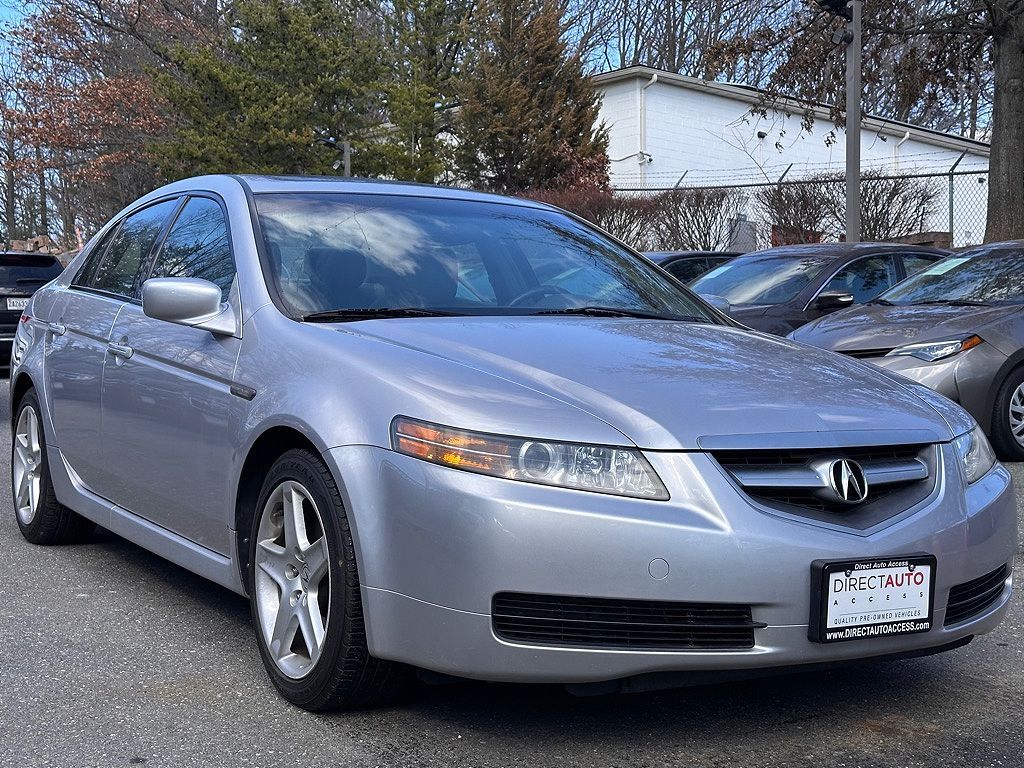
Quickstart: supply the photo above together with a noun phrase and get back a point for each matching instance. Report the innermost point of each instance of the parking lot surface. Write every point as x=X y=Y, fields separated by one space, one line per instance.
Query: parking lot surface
x=112 y=656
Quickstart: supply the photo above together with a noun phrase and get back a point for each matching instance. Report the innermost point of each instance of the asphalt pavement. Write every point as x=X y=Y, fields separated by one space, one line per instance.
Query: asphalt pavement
x=110 y=656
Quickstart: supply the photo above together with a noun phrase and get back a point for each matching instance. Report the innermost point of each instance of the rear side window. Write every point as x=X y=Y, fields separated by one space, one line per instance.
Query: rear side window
x=914 y=262
x=197 y=245
x=24 y=272
x=118 y=267
x=685 y=270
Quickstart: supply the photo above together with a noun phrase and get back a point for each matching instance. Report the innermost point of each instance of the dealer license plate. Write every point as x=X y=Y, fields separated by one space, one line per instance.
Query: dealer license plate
x=17 y=303
x=854 y=599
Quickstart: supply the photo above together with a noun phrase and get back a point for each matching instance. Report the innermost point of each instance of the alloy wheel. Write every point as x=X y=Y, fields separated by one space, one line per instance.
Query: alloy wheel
x=293 y=580
x=26 y=465
x=1017 y=414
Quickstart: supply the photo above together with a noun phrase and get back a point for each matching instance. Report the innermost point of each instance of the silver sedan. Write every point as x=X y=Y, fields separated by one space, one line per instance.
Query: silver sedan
x=429 y=428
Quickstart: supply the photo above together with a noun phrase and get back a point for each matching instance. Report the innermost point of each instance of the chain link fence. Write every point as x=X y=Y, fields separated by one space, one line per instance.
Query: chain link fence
x=944 y=209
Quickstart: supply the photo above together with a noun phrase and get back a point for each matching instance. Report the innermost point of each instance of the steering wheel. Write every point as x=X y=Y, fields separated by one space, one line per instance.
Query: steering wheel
x=536 y=293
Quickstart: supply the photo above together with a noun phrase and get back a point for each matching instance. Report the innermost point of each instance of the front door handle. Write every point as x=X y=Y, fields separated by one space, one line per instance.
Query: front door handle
x=56 y=329
x=120 y=350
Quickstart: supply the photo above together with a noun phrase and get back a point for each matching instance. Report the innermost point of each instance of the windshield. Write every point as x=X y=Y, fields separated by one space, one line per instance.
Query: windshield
x=364 y=252
x=982 y=277
x=761 y=279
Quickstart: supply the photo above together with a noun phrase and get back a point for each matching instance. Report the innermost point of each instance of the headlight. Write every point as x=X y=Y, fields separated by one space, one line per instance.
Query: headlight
x=598 y=468
x=976 y=455
x=936 y=350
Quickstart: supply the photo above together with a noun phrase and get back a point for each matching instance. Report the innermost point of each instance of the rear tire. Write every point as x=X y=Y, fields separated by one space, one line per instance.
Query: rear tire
x=313 y=646
x=41 y=518
x=1008 y=418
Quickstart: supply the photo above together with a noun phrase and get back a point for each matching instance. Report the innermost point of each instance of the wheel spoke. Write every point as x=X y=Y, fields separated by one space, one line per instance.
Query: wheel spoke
x=312 y=625
x=22 y=454
x=23 y=483
x=315 y=557
x=272 y=560
x=285 y=626
x=294 y=519
x=33 y=433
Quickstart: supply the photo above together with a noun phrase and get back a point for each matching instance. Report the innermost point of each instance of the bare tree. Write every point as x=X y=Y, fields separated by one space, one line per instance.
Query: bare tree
x=800 y=211
x=891 y=207
x=696 y=218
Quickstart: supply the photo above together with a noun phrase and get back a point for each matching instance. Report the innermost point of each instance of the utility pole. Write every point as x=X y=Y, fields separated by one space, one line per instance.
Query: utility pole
x=853 y=103
x=850 y=36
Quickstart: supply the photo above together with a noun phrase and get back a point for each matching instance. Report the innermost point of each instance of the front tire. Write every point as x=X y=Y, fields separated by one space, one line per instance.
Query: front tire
x=304 y=593
x=1008 y=418
x=41 y=518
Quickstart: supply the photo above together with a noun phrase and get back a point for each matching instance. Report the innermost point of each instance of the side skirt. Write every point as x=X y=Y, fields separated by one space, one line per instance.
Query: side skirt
x=204 y=562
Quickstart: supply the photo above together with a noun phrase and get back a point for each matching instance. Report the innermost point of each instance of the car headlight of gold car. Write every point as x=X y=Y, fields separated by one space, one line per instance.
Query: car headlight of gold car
x=597 y=468
x=975 y=453
x=930 y=351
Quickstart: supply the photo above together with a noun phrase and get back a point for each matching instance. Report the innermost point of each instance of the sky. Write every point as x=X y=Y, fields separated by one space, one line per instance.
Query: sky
x=11 y=11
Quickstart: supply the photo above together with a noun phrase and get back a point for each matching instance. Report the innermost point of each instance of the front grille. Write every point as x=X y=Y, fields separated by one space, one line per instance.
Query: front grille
x=586 y=622
x=975 y=596
x=791 y=480
x=865 y=353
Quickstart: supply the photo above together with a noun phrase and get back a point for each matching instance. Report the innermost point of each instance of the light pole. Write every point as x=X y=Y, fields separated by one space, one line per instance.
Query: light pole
x=850 y=35
x=853 y=99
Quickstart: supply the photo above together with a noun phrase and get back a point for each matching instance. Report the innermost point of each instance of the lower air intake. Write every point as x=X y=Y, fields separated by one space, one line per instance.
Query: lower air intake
x=973 y=597
x=586 y=622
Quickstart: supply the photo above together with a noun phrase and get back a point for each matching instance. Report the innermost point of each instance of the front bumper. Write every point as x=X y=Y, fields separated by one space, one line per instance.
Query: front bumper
x=965 y=378
x=435 y=544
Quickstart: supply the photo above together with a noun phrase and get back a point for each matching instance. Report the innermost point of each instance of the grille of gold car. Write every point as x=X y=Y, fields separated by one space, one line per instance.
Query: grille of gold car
x=865 y=353
x=586 y=622
x=975 y=596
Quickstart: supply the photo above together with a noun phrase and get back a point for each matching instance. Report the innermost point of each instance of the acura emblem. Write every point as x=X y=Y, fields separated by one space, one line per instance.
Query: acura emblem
x=847 y=481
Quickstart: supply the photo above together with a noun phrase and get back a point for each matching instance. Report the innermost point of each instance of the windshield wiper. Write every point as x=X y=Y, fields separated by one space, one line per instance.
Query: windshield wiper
x=361 y=313
x=615 y=312
x=883 y=302
x=955 y=302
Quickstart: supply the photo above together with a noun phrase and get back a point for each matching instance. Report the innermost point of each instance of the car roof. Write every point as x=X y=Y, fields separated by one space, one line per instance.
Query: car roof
x=659 y=257
x=839 y=251
x=260 y=184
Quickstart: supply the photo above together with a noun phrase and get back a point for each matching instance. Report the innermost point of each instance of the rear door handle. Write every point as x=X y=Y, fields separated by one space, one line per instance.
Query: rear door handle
x=56 y=329
x=120 y=350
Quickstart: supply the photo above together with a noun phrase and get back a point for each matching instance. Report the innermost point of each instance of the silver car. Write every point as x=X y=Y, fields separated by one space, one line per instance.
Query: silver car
x=429 y=428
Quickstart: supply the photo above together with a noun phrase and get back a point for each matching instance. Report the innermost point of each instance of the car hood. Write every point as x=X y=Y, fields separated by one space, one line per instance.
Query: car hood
x=881 y=327
x=672 y=385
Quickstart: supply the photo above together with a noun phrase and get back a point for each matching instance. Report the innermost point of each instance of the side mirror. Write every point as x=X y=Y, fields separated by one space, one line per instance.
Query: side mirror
x=718 y=302
x=830 y=301
x=188 y=301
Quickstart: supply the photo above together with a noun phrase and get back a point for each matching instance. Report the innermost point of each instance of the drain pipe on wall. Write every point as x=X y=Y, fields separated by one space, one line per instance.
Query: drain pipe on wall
x=645 y=157
x=896 y=151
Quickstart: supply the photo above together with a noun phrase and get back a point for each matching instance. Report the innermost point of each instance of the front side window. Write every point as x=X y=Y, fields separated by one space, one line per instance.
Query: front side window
x=762 y=279
x=197 y=245
x=118 y=267
x=865 y=278
x=982 y=276
x=352 y=251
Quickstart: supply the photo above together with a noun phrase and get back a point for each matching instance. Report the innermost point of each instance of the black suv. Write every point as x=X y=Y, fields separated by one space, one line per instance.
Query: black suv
x=21 y=274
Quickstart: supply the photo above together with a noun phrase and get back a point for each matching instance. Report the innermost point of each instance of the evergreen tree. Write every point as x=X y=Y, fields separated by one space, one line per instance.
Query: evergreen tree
x=426 y=42
x=289 y=74
x=527 y=115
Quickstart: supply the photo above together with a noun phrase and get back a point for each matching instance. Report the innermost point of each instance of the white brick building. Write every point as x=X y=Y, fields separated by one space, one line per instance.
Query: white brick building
x=667 y=129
